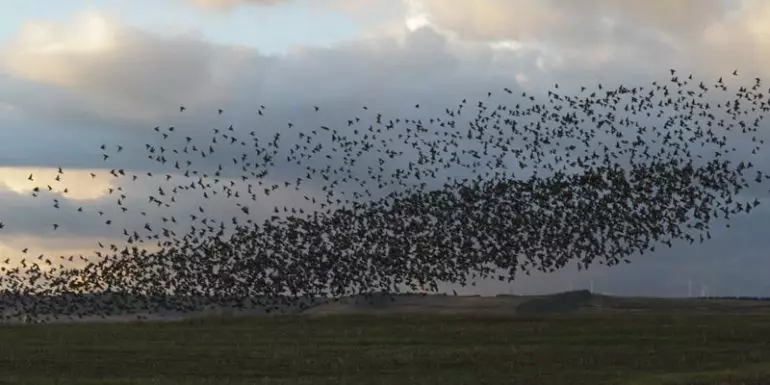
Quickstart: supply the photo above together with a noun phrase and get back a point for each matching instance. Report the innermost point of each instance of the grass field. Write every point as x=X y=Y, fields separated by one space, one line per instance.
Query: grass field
x=394 y=349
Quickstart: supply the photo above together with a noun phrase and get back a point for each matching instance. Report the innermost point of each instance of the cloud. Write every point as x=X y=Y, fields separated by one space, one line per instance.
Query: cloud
x=566 y=21
x=79 y=183
x=592 y=34
x=344 y=5
x=740 y=37
x=7 y=110
x=227 y=4
x=72 y=86
x=116 y=71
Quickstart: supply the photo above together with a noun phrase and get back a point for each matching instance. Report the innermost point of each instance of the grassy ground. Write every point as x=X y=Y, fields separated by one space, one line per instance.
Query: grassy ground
x=394 y=349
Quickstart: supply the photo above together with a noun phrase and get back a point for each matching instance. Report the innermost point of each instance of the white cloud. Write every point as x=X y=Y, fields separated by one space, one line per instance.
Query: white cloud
x=114 y=69
x=8 y=110
x=592 y=34
x=79 y=183
x=342 y=5
x=131 y=75
x=563 y=20
x=740 y=39
x=90 y=34
x=227 y=4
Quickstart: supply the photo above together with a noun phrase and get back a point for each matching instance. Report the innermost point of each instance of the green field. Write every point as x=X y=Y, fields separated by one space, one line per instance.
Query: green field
x=394 y=349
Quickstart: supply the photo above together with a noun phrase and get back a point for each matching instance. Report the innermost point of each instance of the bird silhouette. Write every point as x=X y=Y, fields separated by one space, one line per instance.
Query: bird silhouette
x=391 y=203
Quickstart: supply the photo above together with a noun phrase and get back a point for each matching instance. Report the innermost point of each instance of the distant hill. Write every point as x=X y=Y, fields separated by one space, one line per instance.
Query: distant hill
x=566 y=302
x=571 y=302
x=417 y=303
x=580 y=301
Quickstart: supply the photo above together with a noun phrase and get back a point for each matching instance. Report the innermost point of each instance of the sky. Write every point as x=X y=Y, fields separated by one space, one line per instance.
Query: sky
x=75 y=74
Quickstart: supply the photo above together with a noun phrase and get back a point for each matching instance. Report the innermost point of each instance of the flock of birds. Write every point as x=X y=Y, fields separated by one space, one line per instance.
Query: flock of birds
x=394 y=203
